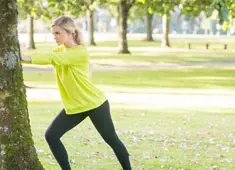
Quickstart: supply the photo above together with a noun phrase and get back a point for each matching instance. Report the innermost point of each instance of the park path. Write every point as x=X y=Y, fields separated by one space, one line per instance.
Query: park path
x=157 y=66
x=151 y=98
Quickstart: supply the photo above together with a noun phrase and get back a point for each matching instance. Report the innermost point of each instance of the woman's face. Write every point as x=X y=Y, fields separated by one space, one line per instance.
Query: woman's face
x=60 y=35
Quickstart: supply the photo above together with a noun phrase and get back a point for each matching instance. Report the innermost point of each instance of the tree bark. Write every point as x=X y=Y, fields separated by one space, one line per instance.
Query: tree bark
x=17 y=150
x=149 y=27
x=31 y=33
x=166 y=25
x=90 y=20
x=123 y=11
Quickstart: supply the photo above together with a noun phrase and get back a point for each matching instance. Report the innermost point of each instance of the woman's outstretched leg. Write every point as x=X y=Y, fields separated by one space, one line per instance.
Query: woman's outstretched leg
x=59 y=126
x=102 y=121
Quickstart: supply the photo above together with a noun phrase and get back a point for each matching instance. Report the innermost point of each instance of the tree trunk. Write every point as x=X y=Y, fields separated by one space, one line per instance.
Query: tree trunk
x=149 y=27
x=31 y=33
x=17 y=150
x=90 y=20
x=123 y=11
x=166 y=25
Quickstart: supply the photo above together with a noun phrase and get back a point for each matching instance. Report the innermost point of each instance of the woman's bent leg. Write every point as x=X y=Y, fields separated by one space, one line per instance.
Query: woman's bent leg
x=59 y=126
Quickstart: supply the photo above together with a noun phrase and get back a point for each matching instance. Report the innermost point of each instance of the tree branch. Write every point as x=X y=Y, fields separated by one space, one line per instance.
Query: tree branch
x=132 y=2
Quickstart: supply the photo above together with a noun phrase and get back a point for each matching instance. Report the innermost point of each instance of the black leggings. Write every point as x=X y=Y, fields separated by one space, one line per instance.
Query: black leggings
x=102 y=121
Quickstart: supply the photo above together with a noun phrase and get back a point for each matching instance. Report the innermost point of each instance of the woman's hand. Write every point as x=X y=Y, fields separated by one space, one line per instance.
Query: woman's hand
x=25 y=58
x=22 y=56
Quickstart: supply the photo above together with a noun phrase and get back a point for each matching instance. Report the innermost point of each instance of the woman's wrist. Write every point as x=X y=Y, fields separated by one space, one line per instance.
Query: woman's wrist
x=26 y=59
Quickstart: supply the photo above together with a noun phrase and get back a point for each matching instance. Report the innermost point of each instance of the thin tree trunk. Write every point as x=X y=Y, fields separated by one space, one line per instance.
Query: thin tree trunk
x=17 y=150
x=31 y=33
x=122 y=27
x=166 y=25
x=90 y=20
x=149 y=27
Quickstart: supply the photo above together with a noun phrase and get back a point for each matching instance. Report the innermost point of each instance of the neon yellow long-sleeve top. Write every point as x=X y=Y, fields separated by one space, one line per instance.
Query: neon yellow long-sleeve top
x=71 y=66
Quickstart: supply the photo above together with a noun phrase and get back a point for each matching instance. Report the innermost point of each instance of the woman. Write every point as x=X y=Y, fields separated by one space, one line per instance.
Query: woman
x=79 y=96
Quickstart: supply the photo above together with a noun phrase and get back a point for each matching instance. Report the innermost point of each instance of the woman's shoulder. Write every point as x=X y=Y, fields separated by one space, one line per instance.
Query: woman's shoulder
x=60 y=48
x=74 y=49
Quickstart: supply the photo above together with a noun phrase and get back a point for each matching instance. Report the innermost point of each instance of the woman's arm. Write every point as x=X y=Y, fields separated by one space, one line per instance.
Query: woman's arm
x=76 y=56
x=72 y=57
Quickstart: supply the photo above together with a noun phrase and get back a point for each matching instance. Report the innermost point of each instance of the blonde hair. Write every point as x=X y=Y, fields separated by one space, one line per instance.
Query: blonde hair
x=68 y=24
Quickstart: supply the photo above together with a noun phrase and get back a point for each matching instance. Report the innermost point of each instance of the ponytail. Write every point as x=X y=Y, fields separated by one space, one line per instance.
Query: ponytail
x=77 y=37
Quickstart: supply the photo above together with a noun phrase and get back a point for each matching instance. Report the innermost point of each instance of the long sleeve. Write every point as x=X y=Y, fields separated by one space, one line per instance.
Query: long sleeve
x=72 y=57
x=77 y=91
x=42 y=58
x=69 y=57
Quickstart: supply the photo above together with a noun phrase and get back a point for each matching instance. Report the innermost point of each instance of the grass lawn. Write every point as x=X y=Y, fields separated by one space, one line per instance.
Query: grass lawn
x=192 y=78
x=194 y=138
x=157 y=138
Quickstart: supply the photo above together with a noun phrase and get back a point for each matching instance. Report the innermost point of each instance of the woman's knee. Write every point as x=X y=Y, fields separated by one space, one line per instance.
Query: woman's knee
x=111 y=138
x=50 y=136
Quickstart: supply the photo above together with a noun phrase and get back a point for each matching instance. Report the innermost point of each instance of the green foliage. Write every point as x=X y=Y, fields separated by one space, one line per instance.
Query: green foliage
x=31 y=7
x=112 y=6
x=70 y=7
x=161 y=7
x=194 y=8
x=137 y=13
x=224 y=8
x=113 y=10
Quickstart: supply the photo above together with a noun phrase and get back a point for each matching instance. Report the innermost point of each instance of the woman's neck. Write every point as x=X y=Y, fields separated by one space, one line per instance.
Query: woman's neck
x=70 y=44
